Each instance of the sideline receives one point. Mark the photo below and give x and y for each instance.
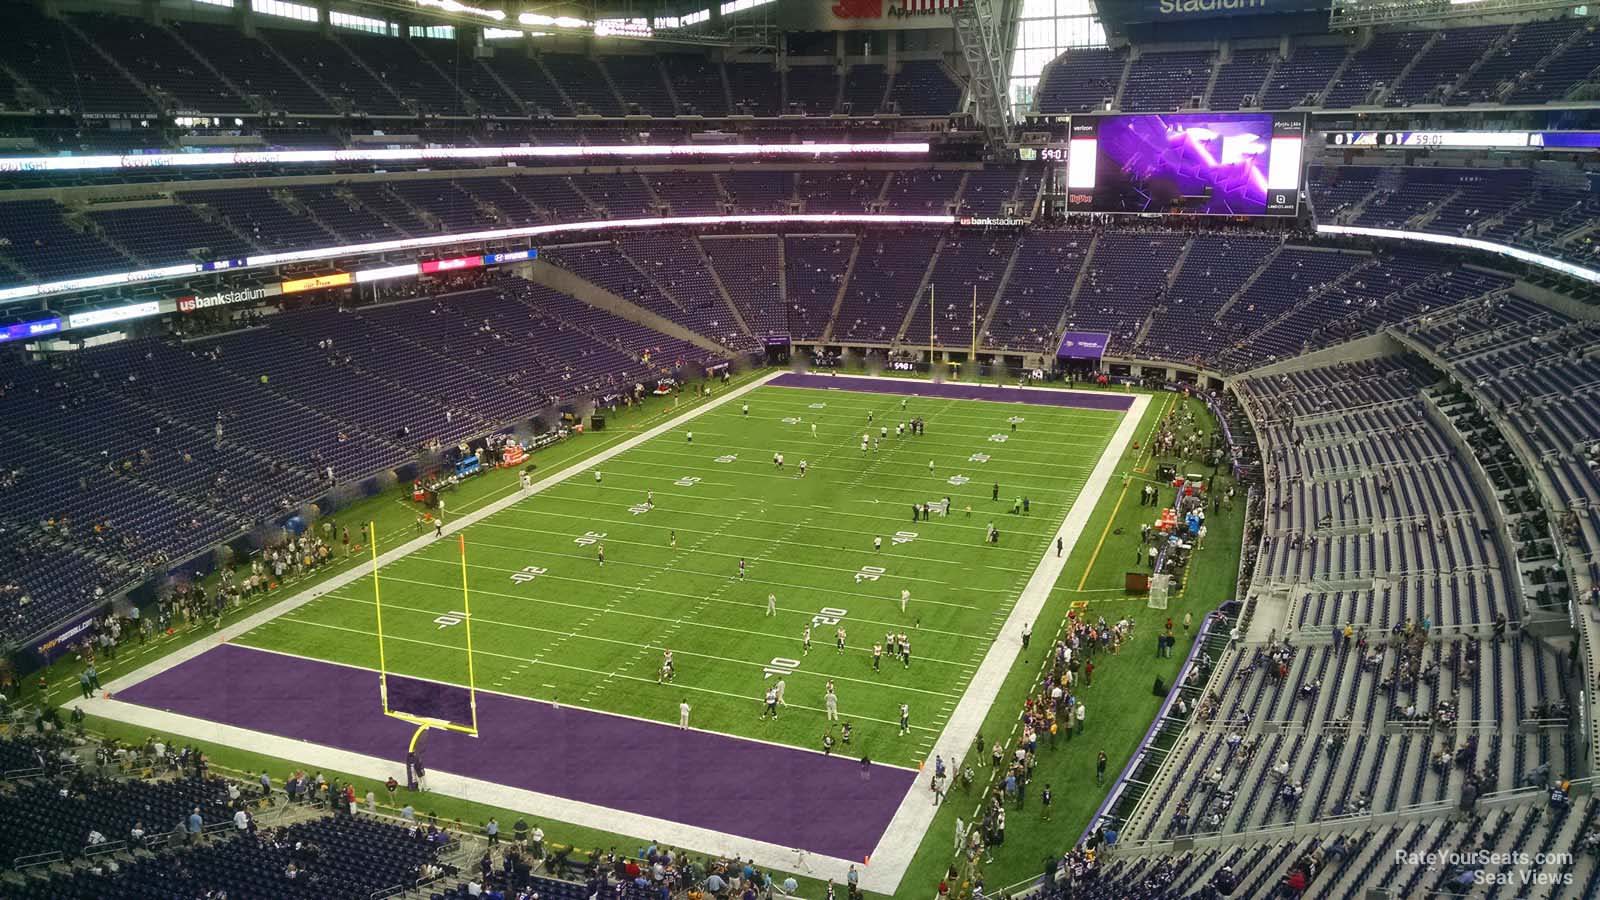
(896, 847)
(578, 813)
(906, 831)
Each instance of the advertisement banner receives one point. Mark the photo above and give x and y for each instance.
(48, 650)
(337, 279)
(846, 15)
(114, 314)
(25, 330)
(495, 259)
(1083, 345)
(385, 273)
(451, 265)
(198, 302)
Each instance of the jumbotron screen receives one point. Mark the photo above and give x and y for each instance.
(1218, 164)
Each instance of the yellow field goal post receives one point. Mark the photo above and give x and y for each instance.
(423, 720)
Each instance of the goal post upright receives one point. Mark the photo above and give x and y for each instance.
(377, 605)
(466, 608)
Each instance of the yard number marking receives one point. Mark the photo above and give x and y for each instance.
(959, 480)
(904, 537)
(978, 458)
(589, 538)
(999, 438)
(527, 574)
(870, 573)
(727, 458)
(687, 481)
(780, 666)
(829, 615)
(454, 617)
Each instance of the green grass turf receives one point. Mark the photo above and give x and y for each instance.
(1120, 703)
(592, 635)
(1123, 700)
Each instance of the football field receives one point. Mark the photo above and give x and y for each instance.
(678, 518)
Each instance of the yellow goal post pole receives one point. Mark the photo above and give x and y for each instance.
(377, 605)
(466, 608)
(422, 729)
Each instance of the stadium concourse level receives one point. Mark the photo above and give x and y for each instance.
(1387, 672)
(1529, 63)
(99, 64)
(1548, 208)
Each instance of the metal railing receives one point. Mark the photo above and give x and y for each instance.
(37, 859)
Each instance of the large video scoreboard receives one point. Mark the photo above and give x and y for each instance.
(1218, 164)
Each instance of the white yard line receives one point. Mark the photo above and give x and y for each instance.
(896, 550)
(901, 840)
(639, 523)
(600, 712)
(1052, 457)
(610, 674)
(842, 572)
(678, 594)
(898, 844)
(355, 573)
(560, 808)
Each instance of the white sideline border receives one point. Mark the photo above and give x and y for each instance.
(910, 824)
(899, 842)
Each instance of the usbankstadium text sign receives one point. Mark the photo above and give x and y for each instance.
(199, 302)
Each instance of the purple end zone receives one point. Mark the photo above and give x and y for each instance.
(781, 795)
(947, 390)
(430, 699)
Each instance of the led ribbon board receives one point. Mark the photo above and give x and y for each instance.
(1464, 140)
(271, 259)
(25, 330)
(1517, 253)
(437, 154)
